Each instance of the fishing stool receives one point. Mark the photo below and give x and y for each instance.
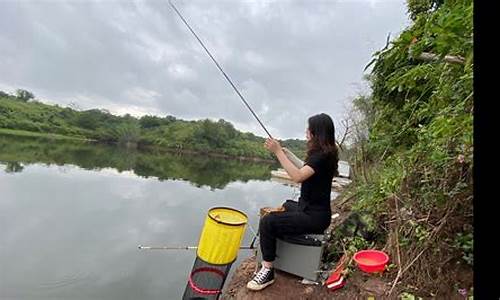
(299, 255)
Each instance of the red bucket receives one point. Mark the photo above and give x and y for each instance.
(371, 261)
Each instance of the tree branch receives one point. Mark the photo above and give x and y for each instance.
(425, 56)
(347, 127)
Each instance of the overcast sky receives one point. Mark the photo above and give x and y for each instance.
(290, 59)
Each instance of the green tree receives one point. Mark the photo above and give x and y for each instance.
(24, 95)
(209, 133)
(89, 119)
(127, 133)
(420, 143)
(150, 121)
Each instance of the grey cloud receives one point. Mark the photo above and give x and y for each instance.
(290, 59)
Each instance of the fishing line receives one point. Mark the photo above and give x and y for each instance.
(219, 67)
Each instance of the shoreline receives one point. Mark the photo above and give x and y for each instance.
(151, 147)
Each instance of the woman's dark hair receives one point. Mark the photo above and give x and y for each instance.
(322, 137)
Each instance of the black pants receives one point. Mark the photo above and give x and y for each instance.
(290, 222)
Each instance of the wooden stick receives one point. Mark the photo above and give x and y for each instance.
(397, 246)
(426, 246)
(448, 58)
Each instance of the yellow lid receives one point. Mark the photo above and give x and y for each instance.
(228, 216)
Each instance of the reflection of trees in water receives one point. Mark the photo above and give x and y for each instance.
(13, 167)
(199, 170)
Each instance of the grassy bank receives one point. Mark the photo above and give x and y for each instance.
(203, 136)
(413, 184)
(51, 136)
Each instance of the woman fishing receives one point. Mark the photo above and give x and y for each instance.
(312, 213)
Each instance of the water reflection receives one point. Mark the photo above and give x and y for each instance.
(72, 216)
(199, 170)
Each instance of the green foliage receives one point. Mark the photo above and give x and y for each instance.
(126, 133)
(420, 113)
(420, 7)
(147, 122)
(357, 232)
(356, 243)
(465, 243)
(18, 151)
(217, 134)
(24, 95)
(298, 147)
(419, 148)
(88, 119)
(408, 296)
(204, 136)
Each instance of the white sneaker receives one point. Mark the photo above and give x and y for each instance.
(262, 279)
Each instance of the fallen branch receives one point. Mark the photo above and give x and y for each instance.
(414, 260)
(418, 220)
(425, 56)
(426, 246)
(347, 199)
(397, 247)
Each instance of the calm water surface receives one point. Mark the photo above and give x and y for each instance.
(73, 214)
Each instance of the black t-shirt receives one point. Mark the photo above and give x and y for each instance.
(315, 191)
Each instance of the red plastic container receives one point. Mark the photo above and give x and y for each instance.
(371, 261)
(335, 281)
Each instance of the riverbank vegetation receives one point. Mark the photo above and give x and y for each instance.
(413, 158)
(22, 113)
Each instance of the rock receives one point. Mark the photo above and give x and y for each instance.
(308, 291)
(375, 286)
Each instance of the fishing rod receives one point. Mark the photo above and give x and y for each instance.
(255, 235)
(220, 68)
(251, 247)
